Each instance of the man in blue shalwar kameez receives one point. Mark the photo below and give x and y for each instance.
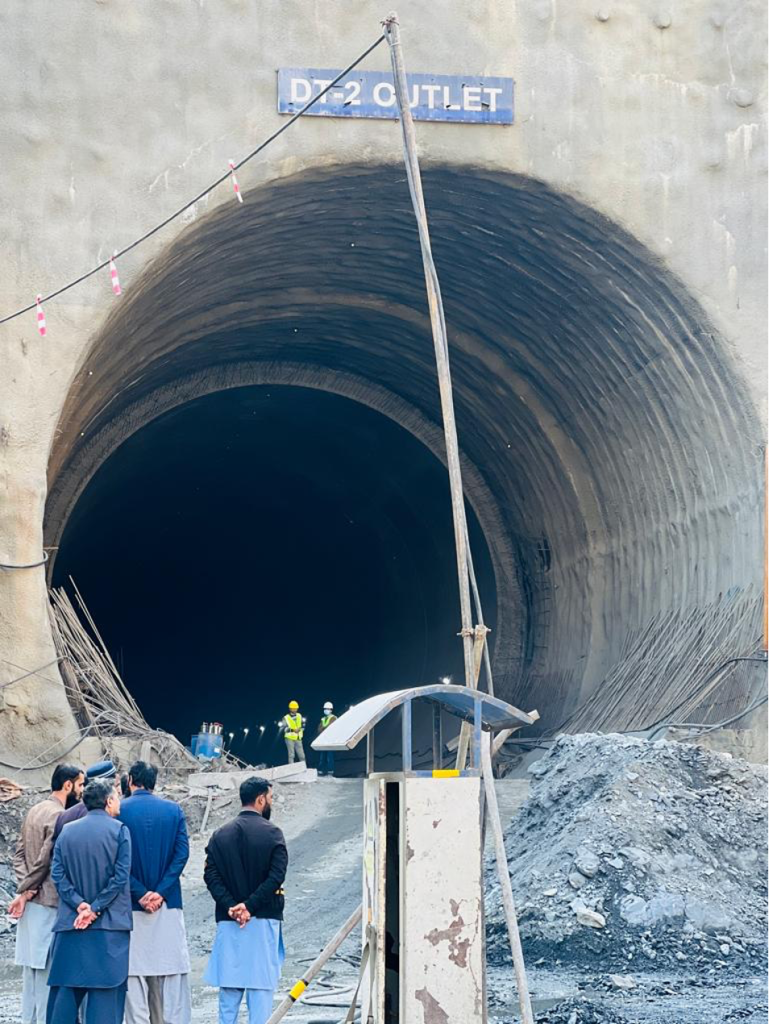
(91, 871)
(246, 863)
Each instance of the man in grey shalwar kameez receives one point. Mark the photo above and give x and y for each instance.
(89, 957)
(35, 904)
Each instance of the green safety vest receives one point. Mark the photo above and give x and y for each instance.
(326, 722)
(294, 730)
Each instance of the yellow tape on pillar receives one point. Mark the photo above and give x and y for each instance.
(445, 773)
(297, 990)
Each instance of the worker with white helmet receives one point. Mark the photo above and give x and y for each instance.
(326, 763)
(292, 725)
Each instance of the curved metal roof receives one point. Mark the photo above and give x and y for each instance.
(351, 727)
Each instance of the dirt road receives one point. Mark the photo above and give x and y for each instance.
(322, 823)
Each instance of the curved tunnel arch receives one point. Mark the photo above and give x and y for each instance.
(616, 454)
(103, 444)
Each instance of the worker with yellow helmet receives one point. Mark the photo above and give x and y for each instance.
(292, 725)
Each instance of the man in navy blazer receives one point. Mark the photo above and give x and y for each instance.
(158, 973)
(91, 870)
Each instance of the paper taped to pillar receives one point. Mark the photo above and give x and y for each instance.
(468, 99)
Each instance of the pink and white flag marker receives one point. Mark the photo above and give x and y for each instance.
(114, 278)
(40, 316)
(235, 184)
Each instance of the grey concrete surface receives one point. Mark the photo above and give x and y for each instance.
(605, 283)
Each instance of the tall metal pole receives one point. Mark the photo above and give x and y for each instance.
(440, 341)
(503, 873)
(766, 550)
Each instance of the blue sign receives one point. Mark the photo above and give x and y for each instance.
(470, 99)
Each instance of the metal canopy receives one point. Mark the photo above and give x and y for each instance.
(351, 727)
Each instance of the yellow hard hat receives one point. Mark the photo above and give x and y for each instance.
(293, 706)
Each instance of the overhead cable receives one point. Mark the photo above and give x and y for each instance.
(226, 176)
(31, 565)
(81, 734)
(31, 672)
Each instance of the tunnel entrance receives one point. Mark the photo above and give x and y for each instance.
(611, 457)
(267, 543)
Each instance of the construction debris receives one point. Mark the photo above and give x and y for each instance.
(200, 782)
(672, 668)
(97, 693)
(581, 1011)
(101, 701)
(9, 790)
(11, 816)
(634, 856)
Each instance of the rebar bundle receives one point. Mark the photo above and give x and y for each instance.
(672, 667)
(100, 699)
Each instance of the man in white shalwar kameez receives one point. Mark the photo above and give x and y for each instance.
(35, 904)
(159, 965)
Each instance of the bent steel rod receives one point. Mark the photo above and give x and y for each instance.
(766, 550)
(316, 966)
(491, 815)
(440, 341)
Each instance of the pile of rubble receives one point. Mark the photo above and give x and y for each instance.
(580, 1011)
(12, 813)
(635, 856)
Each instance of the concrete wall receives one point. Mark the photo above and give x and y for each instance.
(116, 112)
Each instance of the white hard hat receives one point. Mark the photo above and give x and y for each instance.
(328, 706)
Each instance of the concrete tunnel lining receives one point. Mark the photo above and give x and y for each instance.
(101, 446)
(617, 456)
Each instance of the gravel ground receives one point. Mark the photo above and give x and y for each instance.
(576, 997)
(322, 822)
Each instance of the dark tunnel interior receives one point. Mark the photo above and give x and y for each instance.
(263, 544)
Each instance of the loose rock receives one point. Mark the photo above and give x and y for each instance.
(662, 840)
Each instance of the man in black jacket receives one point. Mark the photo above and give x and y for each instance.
(246, 863)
